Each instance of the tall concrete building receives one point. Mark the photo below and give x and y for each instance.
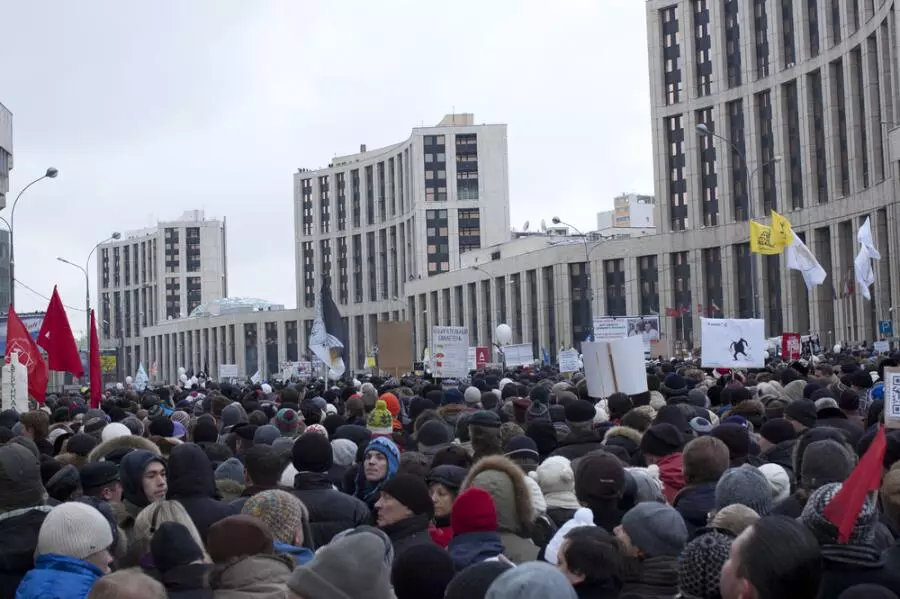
(6, 164)
(154, 275)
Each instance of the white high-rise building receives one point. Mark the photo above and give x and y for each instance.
(154, 275)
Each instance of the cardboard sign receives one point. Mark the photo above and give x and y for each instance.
(568, 360)
(732, 343)
(790, 346)
(614, 366)
(451, 352)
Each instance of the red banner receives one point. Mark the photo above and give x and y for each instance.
(790, 346)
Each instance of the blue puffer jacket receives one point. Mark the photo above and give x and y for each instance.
(58, 577)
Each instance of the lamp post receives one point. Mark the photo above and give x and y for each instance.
(51, 173)
(705, 131)
(589, 307)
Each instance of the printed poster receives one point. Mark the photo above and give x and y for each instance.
(790, 346)
(451, 352)
(617, 327)
(732, 343)
(568, 360)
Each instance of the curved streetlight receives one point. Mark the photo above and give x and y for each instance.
(587, 265)
(51, 173)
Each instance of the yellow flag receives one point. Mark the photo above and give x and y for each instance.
(782, 234)
(761, 241)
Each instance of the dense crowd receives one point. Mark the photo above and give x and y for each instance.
(712, 484)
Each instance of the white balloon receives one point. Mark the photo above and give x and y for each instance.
(181, 370)
(503, 334)
(837, 348)
(128, 380)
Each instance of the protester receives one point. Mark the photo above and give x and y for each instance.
(245, 563)
(128, 584)
(191, 482)
(287, 519)
(443, 484)
(181, 563)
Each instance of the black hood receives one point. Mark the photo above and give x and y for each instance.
(18, 540)
(190, 473)
(131, 473)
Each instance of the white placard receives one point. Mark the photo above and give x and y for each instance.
(520, 354)
(892, 397)
(14, 385)
(614, 366)
(732, 343)
(228, 371)
(882, 347)
(568, 360)
(451, 352)
(256, 379)
(616, 327)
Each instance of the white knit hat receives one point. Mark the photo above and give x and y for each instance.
(74, 530)
(582, 517)
(778, 480)
(113, 430)
(555, 475)
(472, 395)
(503, 383)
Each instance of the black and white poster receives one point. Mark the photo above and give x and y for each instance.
(732, 342)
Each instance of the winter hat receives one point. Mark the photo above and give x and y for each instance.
(161, 426)
(389, 450)
(181, 416)
(582, 517)
(325, 577)
(868, 591)
(380, 421)
(747, 486)
(433, 435)
(599, 475)
(73, 529)
(205, 431)
(116, 429)
(485, 419)
(661, 440)
(64, 483)
(81, 444)
(537, 412)
(134, 425)
(697, 397)
(700, 565)
(472, 396)
(555, 475)
(813, 517)
(92, 426)
(283, 513)
(231, 469)
(312, 453)
(422, 572)
(580, 411)
(778, 479)
(95, 475)
(735, 437)
(701, 426)
(825, 462)
(237, 536)
(522, 447)
(448, 475)
(656, 529)
(287, 421)
(473, 511)
(777, 430)
(474, 581)
(411, 491)
(532, 580)
(644, 484)
(232, 414)
(343, 452)
(266, 435)
(318, 429)
(20, 478)
(172, 545)
(801, 410)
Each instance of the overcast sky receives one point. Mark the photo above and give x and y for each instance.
(149, 109)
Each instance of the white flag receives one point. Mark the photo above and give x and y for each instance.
(864, 237)
(865, 276)
(255, 379)
(799, 257)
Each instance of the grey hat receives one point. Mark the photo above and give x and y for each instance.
(285, 444)
(232, 414)
(387, 548)
(231, 469)
(747, 486)
(344, 452)
(826, 532)
(532, 580)
(825, 462)
(537, 412)
(266, 435)
(326, 575)
(134, 425)
(656, 529)
(20, 478)
(697, 397)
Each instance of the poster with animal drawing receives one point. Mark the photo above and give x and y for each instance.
(732, 342)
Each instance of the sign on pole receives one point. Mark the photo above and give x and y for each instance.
(614, 366)
(451, 352)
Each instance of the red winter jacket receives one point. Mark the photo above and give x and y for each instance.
(671, 473)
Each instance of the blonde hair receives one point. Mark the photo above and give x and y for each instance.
(158, 513)
(127, 584)
(735, 518)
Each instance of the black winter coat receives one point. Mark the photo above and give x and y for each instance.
(783, 455)
(409, 533)
(657, 578)
(850, 565)
(187, 582)
(578, 445)
(192, 483)
(694, 503)
(330, 511)
(18, 540)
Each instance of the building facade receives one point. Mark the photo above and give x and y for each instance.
(155, 275)
(6, 164)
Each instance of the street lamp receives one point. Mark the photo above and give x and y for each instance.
(705, 131)
(590, 289)
(51, 173)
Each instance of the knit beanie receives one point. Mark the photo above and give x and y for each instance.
(231, 469)
(825, 462)
(582, 517)
(391, 403)
(318, 429)
(700, 565)
(411, 491)
(205, 431)
(73, 529)
(380, 421)
(474, 581)
(735, 437)
(233, 413)
(473, 511)
(777, 430)
(661, 440)
(343, 452)
(532, 580)
(422, 572)
(826, 532)
(747, 486)
(266, 435)
(537, 412)
(312, 453)
(326, 576)
(778, 479)
(472, 396)
(389, 450)
(116, 429)
(555, 475)
(656, 529)
(237, 536)
(20, 478)
(283, 513)
(287, 421)
(161, 426)
(172, 545)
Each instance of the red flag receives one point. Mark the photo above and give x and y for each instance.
(57, 339)
(866, 477)
(18, 340)
(95, 370)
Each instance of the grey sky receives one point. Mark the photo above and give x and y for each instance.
(152, 108)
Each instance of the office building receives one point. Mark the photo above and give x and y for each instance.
(154, 275)
(6, 164)
(633, 215)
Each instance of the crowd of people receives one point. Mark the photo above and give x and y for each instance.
(712, 484)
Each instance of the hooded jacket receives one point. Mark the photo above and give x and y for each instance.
(124, 442)
(473, 548)
(252, 577)
(18, 541)
(131, 473)
(192, 483)
(577, 445)
(58, 577)
(505, 481)
(783, 455)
